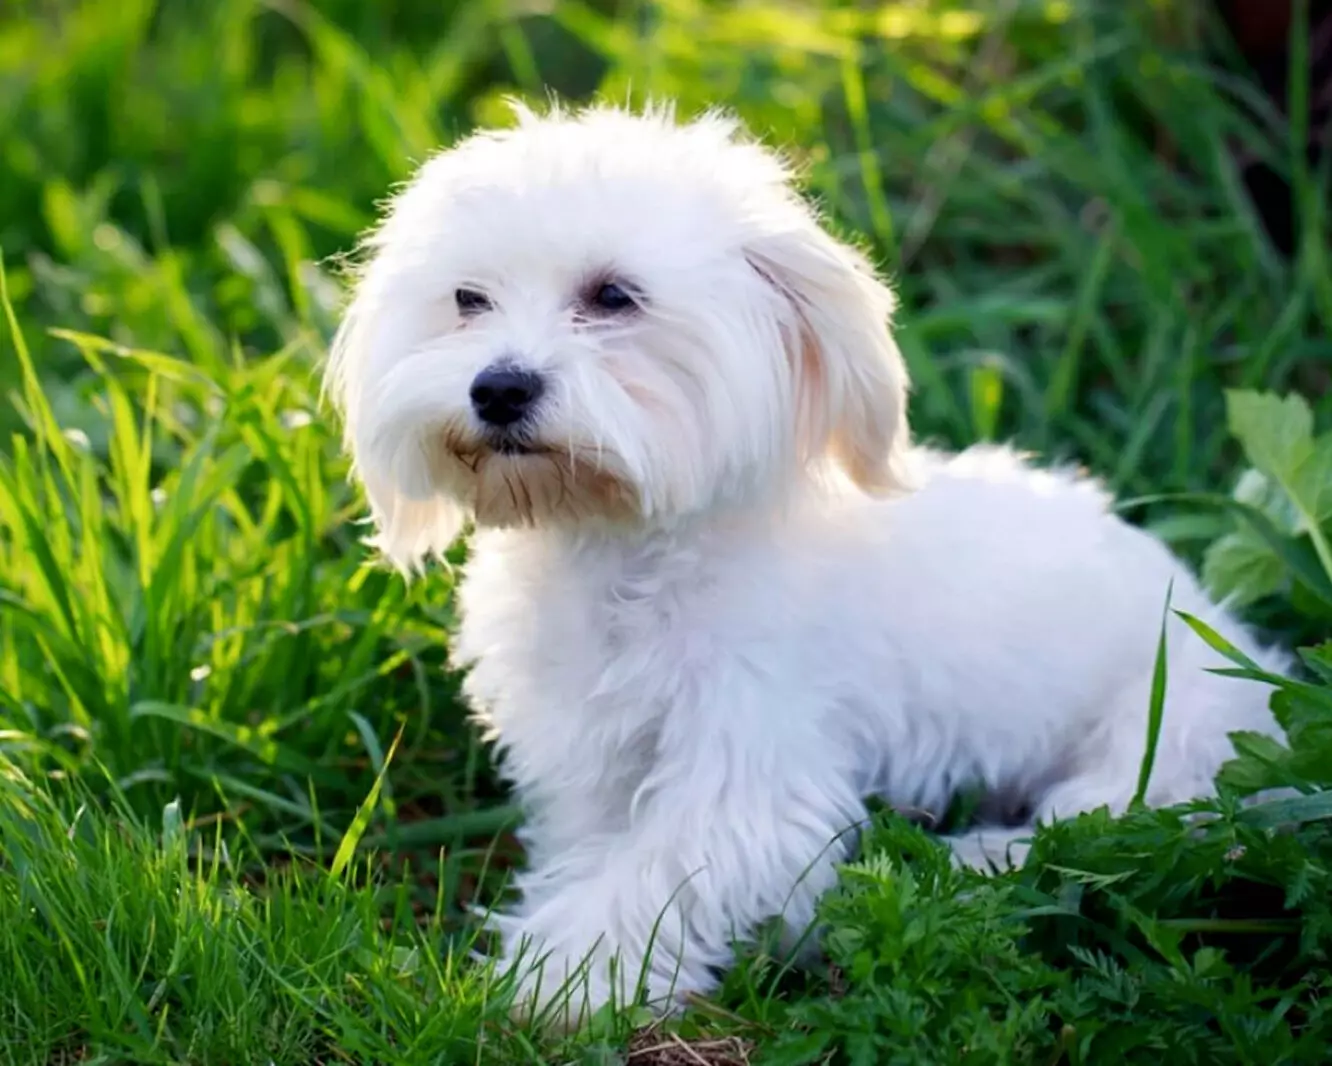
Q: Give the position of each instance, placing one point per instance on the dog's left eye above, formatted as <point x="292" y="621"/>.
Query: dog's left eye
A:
<point x="613" y="297"/>
<point x="472" y="301"/>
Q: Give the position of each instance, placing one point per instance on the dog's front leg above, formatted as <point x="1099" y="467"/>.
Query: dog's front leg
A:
<point x="742" y="818"/>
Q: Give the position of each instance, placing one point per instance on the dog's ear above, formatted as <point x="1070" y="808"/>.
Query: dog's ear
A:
<point x="411" y="520"/>
<point x="850" y="379"/>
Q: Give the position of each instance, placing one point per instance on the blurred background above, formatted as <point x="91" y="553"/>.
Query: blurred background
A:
<point x="1064" y="190"/>
<point x="1100" y="216"/>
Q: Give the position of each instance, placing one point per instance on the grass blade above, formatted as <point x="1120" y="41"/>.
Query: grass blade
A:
<point x="352" y="837"/>
<point x="1155" y="707"/>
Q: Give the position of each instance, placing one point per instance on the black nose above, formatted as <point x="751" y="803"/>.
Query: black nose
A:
<point x="501" y="396"/>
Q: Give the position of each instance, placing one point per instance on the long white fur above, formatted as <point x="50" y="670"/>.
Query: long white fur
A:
<point x="728" y="600"/>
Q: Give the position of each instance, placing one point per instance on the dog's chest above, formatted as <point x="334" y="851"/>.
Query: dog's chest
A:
<point x="579" y="657"/>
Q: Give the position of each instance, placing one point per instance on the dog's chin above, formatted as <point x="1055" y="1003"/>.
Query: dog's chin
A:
<point x="516" y="482"/>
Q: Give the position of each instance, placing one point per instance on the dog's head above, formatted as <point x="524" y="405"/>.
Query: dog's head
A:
<point x="608" y="318"/>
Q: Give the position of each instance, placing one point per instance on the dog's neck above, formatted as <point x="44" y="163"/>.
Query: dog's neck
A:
<point x="617" y="548"/>
<point x="642" y="546"/>
<point x="684" y="532"/>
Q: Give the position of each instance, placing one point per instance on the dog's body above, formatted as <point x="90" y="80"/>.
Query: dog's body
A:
<point x="716" y="600"/>
<point x="703" y="711"/>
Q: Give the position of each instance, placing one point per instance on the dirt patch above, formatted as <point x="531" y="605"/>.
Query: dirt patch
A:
<point x="655" y="1048"/>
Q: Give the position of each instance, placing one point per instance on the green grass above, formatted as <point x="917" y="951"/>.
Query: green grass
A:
<point x="242" y="818"/>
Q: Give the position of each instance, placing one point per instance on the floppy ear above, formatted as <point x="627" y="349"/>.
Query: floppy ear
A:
<point x="850" y="380"/>
<point x="412" y="520"/>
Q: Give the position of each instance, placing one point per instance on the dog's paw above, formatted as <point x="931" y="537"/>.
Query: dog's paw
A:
<point x="563" y="991"/>
<point x="992" y="850"/>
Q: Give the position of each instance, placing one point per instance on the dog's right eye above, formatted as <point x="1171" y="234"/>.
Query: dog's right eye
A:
<point x="472" y="301"/>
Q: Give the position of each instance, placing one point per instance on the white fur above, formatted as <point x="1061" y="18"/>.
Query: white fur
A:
<point x="726" y="601"/>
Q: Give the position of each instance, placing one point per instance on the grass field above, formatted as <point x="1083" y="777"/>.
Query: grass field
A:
<point x="241" y="816"/>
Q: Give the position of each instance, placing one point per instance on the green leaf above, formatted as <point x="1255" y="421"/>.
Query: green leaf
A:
<point x="1242" y="567"/>
<point x="986" y="384"/>
<point x="258" y="741"/>
<point x="1263" y="493"/>
<point x="1319" y="659"/>
<point x="1311" y="481"/>
<point x="1156" y="707"/>
<point x="1275" y="432"/>
<point x="798" y="1049"/>
<point x="1304" y="560"/>
<point x="352" y="837"/>
<point x="488" y="822"/>
<point x="1247" y="776"/>
<point x="1315" y="807"/>
<point x="1260" y="746"/>
<point x="1218" y="643"/>
<point x="1277" y="436"/>
<point x="1262" y="762"/>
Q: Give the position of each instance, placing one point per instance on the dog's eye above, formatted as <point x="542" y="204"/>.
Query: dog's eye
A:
<point x="613" y="297"/>
<point x="472" y="301"/>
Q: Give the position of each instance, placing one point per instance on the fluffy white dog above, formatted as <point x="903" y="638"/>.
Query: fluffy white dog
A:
<point x="715" y="600"/>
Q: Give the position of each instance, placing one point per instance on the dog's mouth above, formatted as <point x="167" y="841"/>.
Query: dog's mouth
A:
<point x="517" y="479"/>
<point x="472" y="451"/>
<point x="510" y="444"/>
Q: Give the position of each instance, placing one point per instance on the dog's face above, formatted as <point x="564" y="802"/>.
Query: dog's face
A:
<point x="607" y="318"/>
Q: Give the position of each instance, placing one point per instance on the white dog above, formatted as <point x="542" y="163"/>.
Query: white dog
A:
<point x="715" y="599"/>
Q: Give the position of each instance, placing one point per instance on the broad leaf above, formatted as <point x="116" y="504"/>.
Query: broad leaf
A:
<point x="1241" y="567"/>
<point x="1275" y="432"/>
